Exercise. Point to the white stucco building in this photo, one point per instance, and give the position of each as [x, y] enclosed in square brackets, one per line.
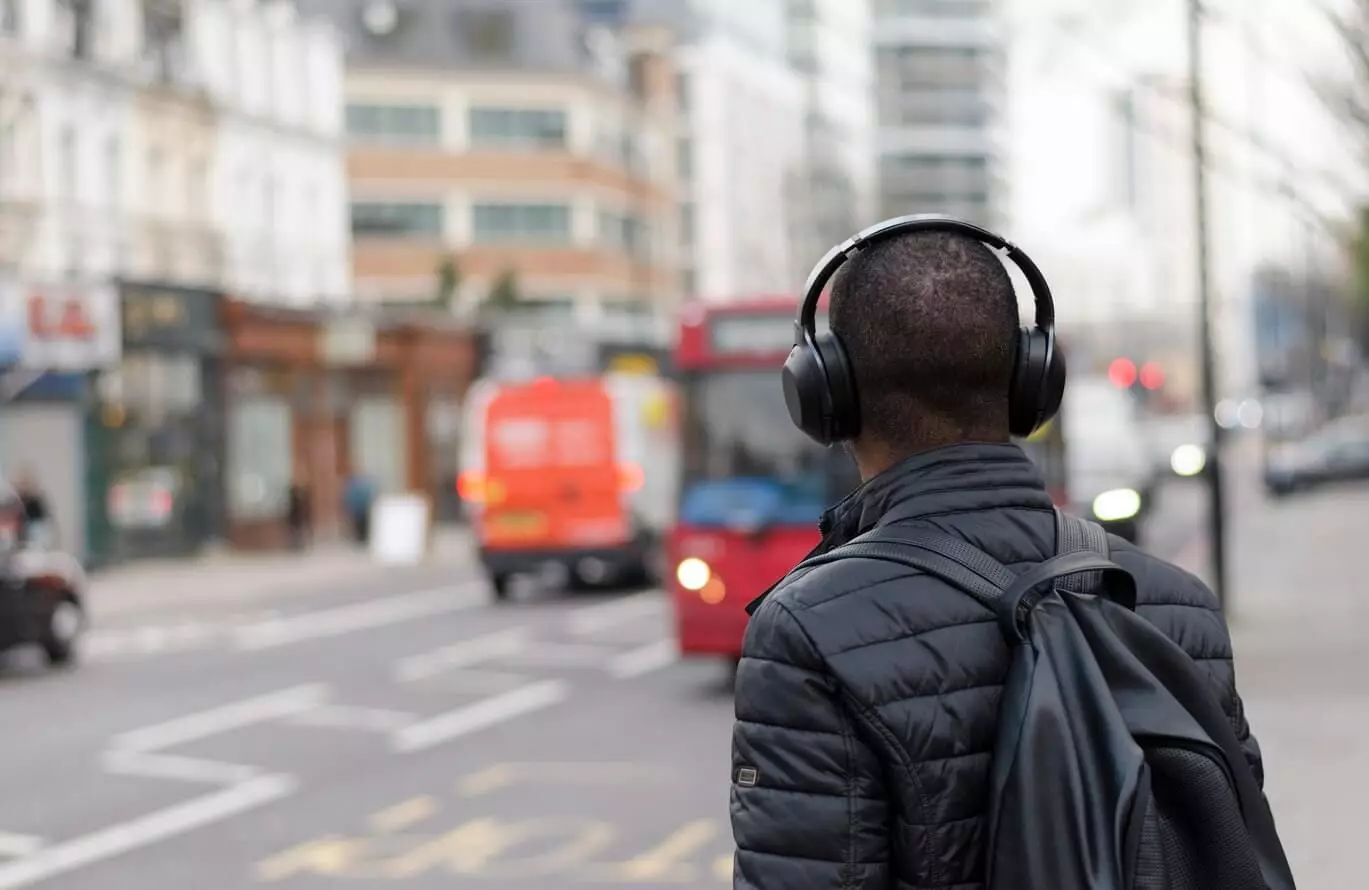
[192, 142]
[744, 157]
[277, 182]
[152, 151]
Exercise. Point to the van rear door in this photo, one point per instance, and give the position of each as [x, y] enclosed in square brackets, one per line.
[552, 479]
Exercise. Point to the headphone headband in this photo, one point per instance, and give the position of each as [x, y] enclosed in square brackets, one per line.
[806, 322]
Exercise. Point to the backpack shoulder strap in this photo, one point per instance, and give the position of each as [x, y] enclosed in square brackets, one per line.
[978, 574]
[1075, 535]
[950, 559]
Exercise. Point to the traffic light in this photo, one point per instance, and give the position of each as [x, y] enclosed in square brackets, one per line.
[1144, 381]
[1122, 373]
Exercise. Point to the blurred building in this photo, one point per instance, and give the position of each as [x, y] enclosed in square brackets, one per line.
[154, 155]
[741, 147]
[1151, 181]
[829, 45]
[185, 141]
[504, 153]
[277, 184]
[940, 73]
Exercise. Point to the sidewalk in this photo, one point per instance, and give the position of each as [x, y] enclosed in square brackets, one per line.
[243, 579]
[1299, 612]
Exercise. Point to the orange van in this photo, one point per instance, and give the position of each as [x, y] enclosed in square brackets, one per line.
[569, 479]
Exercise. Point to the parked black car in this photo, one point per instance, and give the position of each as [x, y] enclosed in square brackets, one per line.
[1338, 452]
[41, 589]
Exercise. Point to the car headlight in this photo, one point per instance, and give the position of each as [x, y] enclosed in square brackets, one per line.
[1116, 505]
[1188, 460]
[693, 573]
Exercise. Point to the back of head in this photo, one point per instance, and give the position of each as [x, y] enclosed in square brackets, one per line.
[929, 322]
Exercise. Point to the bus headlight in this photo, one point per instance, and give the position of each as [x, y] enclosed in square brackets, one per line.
[1188, 460]
[693, 573]
[1116, 505]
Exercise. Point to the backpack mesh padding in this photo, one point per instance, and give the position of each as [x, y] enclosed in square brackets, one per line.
[1193, 837]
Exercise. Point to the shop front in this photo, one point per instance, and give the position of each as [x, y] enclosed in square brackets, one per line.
[439, 365]
[270, 383]
[51, 339]
[157, 468]
[315, 399]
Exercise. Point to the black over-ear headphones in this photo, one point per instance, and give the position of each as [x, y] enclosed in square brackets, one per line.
[820, 386]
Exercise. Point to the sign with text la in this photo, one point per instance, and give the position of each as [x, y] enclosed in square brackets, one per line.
[72, 327]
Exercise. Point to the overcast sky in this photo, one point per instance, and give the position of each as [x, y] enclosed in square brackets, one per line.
[1067, 54]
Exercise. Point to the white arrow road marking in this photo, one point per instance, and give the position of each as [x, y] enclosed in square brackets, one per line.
[645, 659]
[13, 846]
[144, 831]
[175, 768]
[139, 752]
[349, 717]
[462, 654]
[369, 615]
[606, 616]
[199, 725]
[562, 655]
[480, 715]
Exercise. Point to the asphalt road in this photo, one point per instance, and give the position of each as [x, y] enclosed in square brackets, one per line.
[424, 738]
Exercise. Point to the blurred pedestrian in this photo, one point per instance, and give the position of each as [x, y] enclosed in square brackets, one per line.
[37, 514]
[358, 497]
[868, 693]
[12, 518]
[298, 515]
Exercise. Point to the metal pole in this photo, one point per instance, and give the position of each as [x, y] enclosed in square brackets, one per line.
[1197, 113]
[1313, 310]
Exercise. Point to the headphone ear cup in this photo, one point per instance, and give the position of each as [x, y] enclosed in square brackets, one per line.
[1053, 390]
[1027, 394]
[805, 392]
[844, 401]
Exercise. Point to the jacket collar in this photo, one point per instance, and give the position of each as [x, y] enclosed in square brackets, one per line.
[952, 479]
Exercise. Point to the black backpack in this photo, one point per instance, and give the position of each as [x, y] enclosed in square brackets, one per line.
[1115, 767]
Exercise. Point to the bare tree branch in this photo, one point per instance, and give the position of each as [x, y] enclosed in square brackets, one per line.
[1348, 98]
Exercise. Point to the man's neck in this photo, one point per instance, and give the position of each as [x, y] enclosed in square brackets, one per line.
[874, 458]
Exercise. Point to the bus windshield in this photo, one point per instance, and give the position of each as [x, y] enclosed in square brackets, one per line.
[745, 464]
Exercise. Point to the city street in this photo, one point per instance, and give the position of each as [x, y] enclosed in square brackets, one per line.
[427, 738]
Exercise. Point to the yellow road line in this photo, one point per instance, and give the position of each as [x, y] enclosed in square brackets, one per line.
[404, 815]
[667, 862]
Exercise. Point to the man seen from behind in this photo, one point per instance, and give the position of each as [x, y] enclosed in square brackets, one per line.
[867, 697]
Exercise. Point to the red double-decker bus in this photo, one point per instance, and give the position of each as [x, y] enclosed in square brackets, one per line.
[753, 487]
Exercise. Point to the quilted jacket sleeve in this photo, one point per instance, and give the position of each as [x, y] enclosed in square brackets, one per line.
[1249, 744]
[1187, 611]
[808, 804]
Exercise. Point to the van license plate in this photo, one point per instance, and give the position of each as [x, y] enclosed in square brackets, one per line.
[520, 522]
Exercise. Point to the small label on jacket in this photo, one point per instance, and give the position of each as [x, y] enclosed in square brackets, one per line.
[748, 776]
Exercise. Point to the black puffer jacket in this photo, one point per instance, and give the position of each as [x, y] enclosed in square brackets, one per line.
[867, 695]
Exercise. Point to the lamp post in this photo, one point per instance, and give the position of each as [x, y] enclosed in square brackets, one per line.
[1207, 353]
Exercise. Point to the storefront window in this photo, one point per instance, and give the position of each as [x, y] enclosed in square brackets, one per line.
[259, 457]
[158, 462]
[377, 439]
[260, 438]
[156, 386]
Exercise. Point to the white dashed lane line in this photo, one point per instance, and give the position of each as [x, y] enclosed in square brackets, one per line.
[596, 619]
[255, 631]
[15, 846]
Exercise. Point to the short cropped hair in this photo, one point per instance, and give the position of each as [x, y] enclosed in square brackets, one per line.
[929, 321]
